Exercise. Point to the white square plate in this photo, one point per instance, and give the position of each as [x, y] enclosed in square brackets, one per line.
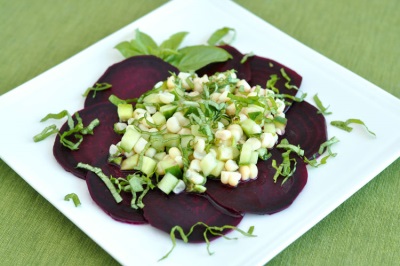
[348, 95]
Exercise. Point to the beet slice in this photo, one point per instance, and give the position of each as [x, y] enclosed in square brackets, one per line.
[261, 70]
[307, 128]
[92, 146]
[186, 209]
[262, 195]
[131, 78]
[102, 196]
[243, 70]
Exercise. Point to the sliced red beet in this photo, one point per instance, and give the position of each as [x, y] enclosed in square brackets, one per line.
[262, 69]
[92, 146]
[305, 127]
[243, 70]
[185, 209]
[102, 196]
[131, 78]
[262, 195]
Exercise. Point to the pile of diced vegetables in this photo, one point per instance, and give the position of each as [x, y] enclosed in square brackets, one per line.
[190, 128]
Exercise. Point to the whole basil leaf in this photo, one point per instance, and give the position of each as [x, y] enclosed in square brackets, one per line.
[195, 57]
[174, 41]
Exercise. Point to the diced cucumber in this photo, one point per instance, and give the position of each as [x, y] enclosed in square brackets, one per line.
[168, 110]
[168, 183]
[159, 119]
[208, 163]
[185, 140]
[148, 166]
[125, 111]
[152, 98]
[157, 142]
[216, 171]
[130, 163]
[129, 139]
[269, 128]
[175, 170]
[254, 115]
[164, 164]
[245, 154]
[115, 160]
[254, 157]
[159, 156]
[225, 153]
[254, 108]
[171, 140]
[250, 127]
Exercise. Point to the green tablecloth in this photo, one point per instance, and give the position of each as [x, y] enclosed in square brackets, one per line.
[362, 35]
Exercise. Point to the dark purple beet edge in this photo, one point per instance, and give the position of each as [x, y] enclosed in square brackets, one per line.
[262, 195]
[306, 128]
[92, 146]
[131, 78]
[185, 209]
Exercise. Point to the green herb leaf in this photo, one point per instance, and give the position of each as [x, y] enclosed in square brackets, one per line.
[116, 100]
[326, 145]
[145, 42]
[74, 198]
[214, 230]
[104, 178]
[345, 125]
[288, 80]
[174, 41]
[127, 49]
[322, 109]
[217, 37]
[48, 131]
[96, 88]
[195, 57]
[245, 57]
[59, 115]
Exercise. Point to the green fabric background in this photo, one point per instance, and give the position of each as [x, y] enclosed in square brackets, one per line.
[362, 35]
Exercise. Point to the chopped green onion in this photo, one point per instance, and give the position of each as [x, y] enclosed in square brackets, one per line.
[74, 198]
[345, 125]
[104, 178]
[322, 109]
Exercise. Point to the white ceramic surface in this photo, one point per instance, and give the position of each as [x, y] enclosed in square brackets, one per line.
[348, 95]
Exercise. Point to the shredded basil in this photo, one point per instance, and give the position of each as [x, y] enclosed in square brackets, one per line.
[214, 230]
[345, 125]
[326, 145]
[96, 88]
[104, 178]
[246, 57]
[48, 131]
[74, 198]
[322, 109]
[288, 80]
